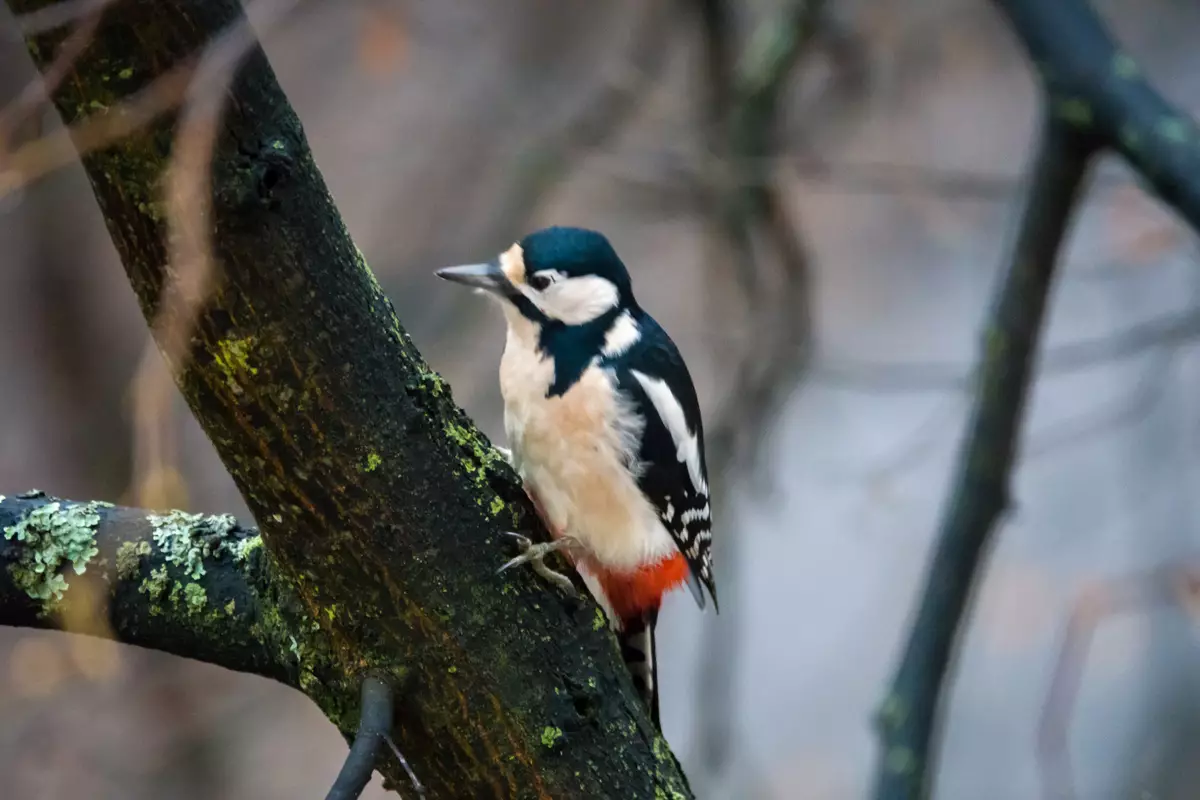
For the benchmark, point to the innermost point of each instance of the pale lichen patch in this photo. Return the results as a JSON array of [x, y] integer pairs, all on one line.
[[53, 535], [187, 539], [244, 547]]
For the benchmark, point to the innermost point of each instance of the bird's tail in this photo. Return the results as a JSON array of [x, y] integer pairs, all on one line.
[[637, 648]]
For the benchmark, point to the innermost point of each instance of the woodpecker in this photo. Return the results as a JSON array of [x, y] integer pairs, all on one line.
[[604, 429]]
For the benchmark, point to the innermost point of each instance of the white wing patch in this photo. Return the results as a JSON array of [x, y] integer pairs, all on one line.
[[622, 335], [671, 413]]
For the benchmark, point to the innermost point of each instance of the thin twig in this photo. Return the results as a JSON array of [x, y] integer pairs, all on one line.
[[908, 717], [374, 724], [418, 787], [56, 150], [37, 92], [915, 377], [549, 157], [188, 201], [62, 13]]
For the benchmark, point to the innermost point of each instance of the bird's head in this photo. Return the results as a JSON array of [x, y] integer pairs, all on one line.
[[570, 276]]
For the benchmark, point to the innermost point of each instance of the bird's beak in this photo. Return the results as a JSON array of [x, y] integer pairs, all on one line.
[[488, 277]]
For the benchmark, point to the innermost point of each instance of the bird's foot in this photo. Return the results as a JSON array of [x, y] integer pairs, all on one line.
[[533, 554]]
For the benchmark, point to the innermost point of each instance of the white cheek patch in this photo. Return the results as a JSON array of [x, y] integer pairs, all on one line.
[[576, 301], [623, 335], [671, 413]]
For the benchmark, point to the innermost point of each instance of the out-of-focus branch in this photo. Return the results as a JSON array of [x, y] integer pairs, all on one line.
[[186, 202], [745, 117], [1173, 585], [592, 117], [596, 114], [894, 378], [749, 221], [1095, 98], [36, 94], [908, 717], [1099, 89], [61, 13]]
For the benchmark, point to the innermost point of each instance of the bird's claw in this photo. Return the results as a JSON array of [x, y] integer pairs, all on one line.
[[533, 554]]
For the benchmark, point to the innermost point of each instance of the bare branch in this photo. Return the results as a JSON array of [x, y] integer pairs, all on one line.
[[908, 717], [374, 726], [1099, 89]]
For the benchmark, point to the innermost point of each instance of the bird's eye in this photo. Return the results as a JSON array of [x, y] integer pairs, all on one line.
[[540, 281]]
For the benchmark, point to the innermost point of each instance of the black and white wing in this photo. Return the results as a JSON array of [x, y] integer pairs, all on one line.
[[674, 473]]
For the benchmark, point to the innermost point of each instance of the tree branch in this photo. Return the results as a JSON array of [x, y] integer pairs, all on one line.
[[374, 725], [379, 502], [187, 584], [908, 717], [1096, 98], [1100, 90]]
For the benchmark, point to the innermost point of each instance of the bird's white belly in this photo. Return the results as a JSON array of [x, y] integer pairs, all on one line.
[[574, 452]]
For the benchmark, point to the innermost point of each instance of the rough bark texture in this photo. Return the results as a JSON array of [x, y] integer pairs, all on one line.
[[378, 500]]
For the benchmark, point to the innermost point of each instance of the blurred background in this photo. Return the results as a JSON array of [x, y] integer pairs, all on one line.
[[446, 130]]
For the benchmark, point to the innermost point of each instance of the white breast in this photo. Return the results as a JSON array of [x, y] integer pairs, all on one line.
[[577, 453]]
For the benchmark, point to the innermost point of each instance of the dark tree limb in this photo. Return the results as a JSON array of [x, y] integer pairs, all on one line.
[[908, 718], [1092, 84], [1095, 98], [379, 502], [191, 585], [374, 726]]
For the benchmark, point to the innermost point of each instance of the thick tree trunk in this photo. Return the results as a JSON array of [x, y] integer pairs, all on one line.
[[379, 502]]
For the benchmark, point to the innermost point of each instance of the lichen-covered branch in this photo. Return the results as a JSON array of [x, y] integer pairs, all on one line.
[[378, 500], [908, 717], [194, 585]]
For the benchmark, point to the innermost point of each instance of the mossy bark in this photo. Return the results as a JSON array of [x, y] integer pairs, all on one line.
[[377, 498]]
